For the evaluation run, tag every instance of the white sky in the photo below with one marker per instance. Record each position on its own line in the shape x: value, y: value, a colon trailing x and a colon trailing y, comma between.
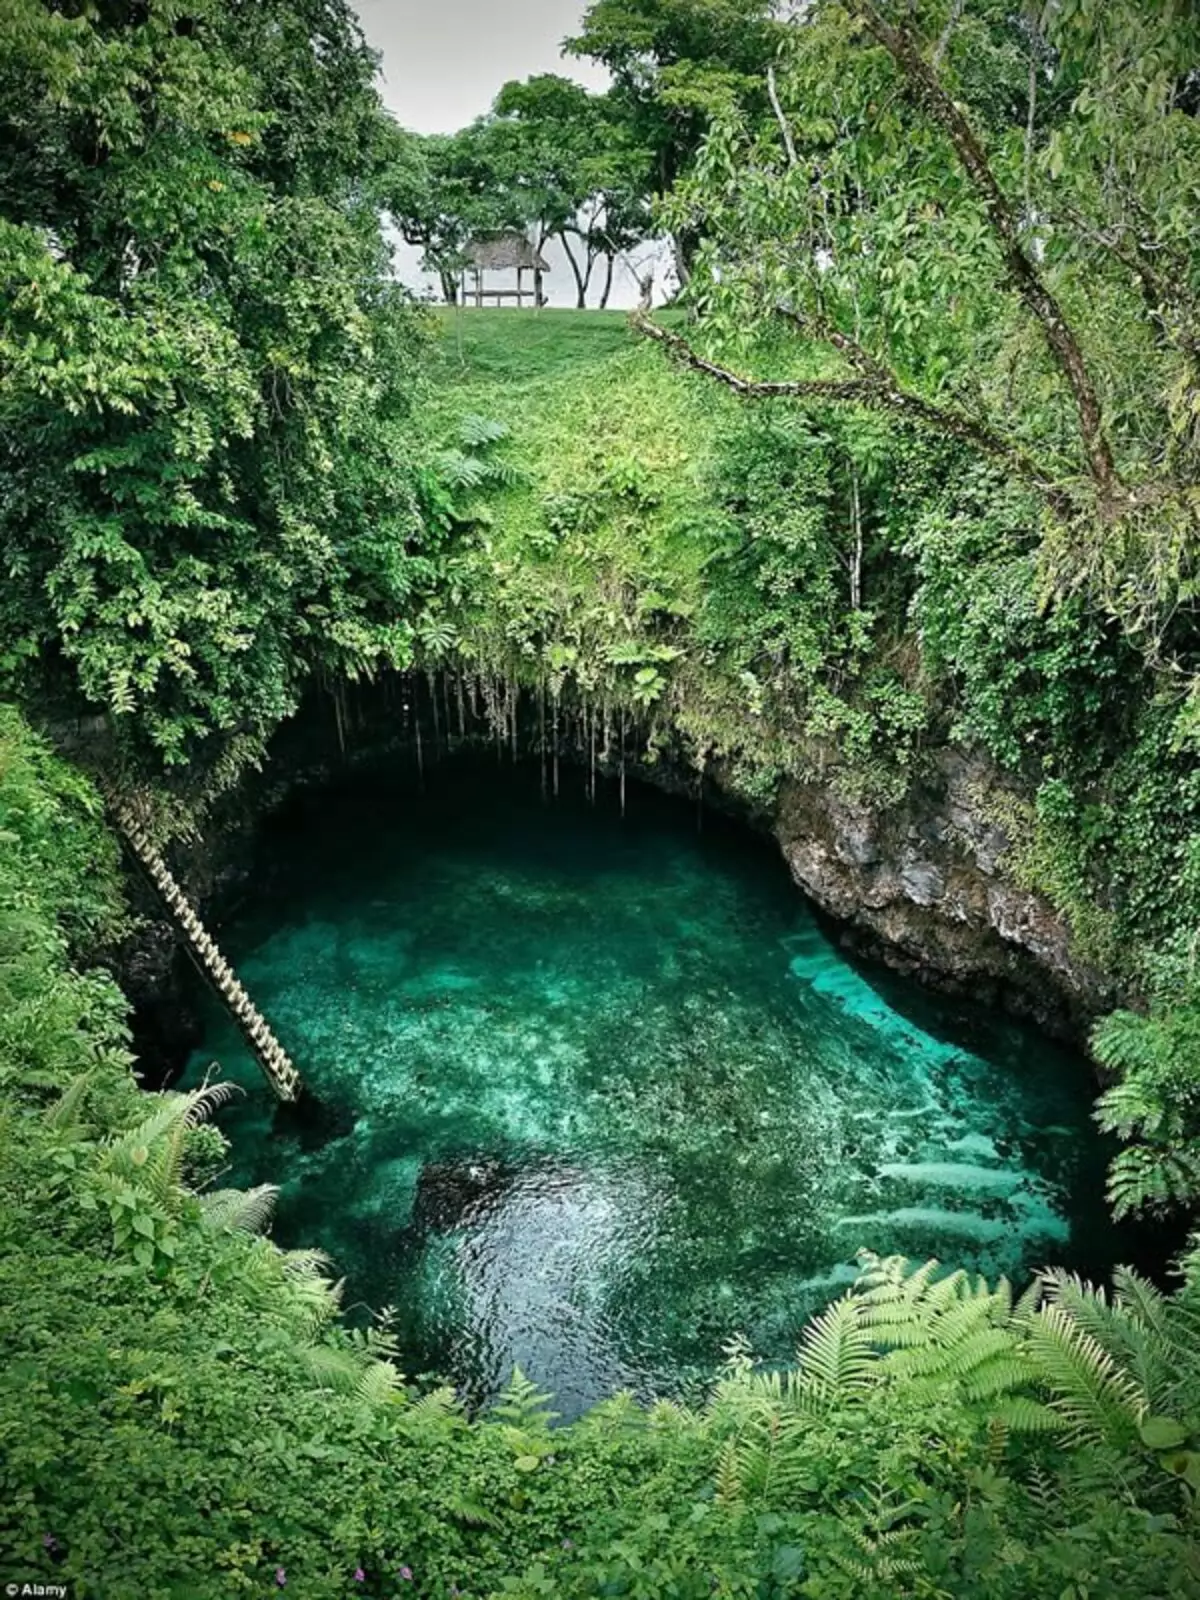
x: 443, y: 62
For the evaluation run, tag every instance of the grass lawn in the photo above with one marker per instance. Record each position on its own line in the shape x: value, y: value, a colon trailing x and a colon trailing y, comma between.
x: 482, y: 346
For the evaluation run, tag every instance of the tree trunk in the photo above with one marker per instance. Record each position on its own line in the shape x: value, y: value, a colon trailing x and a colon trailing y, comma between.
x: 857, y: 559
x: 580, y: 280
x: 608, y: 278
x: 682, y: 271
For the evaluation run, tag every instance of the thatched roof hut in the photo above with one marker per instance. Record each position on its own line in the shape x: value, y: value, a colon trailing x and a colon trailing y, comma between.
x: 503, y: 252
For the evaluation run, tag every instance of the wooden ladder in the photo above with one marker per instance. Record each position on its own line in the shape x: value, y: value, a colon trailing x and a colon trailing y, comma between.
x: 278, y: 1067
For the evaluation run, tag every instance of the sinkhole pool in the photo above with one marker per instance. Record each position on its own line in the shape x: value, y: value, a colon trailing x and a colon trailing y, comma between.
x: 599, y: 1093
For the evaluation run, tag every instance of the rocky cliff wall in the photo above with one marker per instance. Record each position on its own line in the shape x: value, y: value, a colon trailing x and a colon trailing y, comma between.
x: 926, y: 887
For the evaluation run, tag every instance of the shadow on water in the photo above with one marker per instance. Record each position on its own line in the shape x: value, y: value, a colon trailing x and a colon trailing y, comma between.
x: 593, y: 1095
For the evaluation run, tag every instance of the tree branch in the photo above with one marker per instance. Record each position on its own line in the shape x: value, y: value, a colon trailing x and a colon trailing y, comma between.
x: 878, y: 391
x: 814, y: 326
x: 1174, y: 316
x: 784, y: 129
x: 922, y: 82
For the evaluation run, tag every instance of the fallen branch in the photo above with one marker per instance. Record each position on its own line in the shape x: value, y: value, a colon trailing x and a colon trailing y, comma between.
x: 817, y: 327
x: 876, y: 390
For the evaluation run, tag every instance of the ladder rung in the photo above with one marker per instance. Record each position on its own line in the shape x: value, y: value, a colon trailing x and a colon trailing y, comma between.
x: 277, y: 1066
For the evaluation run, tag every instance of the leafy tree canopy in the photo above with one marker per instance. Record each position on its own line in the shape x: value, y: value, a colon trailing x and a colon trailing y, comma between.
x: 551, y: 160
x: 204, y: 370
x: 1025, y: 283
x: 676, y: 61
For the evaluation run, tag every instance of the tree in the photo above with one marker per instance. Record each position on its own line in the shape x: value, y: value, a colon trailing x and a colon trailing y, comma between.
x: 441, y: 190
x: 204, y: 368
x: 1026, y: 284
x: 550, y: 160
x: 676, y: 63
x: 573, y: 170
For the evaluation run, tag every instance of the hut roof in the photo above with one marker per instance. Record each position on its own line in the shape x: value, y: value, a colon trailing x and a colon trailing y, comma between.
x: 503, y: 251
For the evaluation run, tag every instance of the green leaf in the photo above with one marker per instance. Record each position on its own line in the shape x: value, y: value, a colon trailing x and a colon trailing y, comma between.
x: 1162, y: 1433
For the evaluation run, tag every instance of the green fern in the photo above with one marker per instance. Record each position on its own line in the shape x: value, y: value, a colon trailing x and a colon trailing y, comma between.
x: 523, y: 1405
x: 379, y: 1382
x: 1133, y: 1106
x: 1023, y: 1415
x: 1086, y: 1386
x: 473, y: 1512
x: 1154, y: 1178
x: 150, y: 1155
x: 476, y: 432
x: 837, y: 1353
x: 432, y: 1414
x: 65, y: 1113
x: 249, y: 1210
x: 459, y: 471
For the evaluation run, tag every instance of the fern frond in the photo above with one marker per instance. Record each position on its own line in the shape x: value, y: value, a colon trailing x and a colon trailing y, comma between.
x: 1153, y: 1178
x: 472, y: 1512
x: 1028, y: 1303
x: 890, y: 1279
x: 378, y: 1382
x: 330, y: 1367
x: 1002, y: 1375
x: 1132, y: 1107
x: 836, y: 1352
x: 938, y: 1295
x: 896, y: 1335
x: 64, y: 1114
x: 729, y: 1473
x: 952, y: 1362
x: 172, y: 1112
x: 1098, y: 1399
x: 438, y: 1407
x: 1127, y: 1041
x: 1139, y: 1298
x: 1023, y: 1415
x: 475, y: 431
x: 248, y: 1210
x: 305, y: 1263
x: 459, y: 471
x: 523, y: 1405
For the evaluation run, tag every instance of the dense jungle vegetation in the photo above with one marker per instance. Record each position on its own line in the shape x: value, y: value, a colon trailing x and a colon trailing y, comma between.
x: 912, y: 460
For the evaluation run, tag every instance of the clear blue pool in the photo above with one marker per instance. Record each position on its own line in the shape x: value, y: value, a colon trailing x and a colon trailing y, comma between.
x: 601, y: 1093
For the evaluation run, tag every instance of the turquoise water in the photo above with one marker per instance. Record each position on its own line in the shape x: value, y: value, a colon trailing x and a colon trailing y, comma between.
x: 598, y: 1094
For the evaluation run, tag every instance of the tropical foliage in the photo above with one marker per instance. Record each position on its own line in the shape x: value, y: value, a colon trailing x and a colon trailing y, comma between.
x: 921, y: 468
x: 550, y: 161
x: 204, y: 371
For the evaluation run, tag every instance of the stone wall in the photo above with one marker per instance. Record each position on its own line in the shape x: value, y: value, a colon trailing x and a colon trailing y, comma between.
x: 922, y: 885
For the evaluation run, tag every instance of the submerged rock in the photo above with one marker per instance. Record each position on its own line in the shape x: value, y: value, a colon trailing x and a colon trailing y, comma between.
x: 452, y: 1191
